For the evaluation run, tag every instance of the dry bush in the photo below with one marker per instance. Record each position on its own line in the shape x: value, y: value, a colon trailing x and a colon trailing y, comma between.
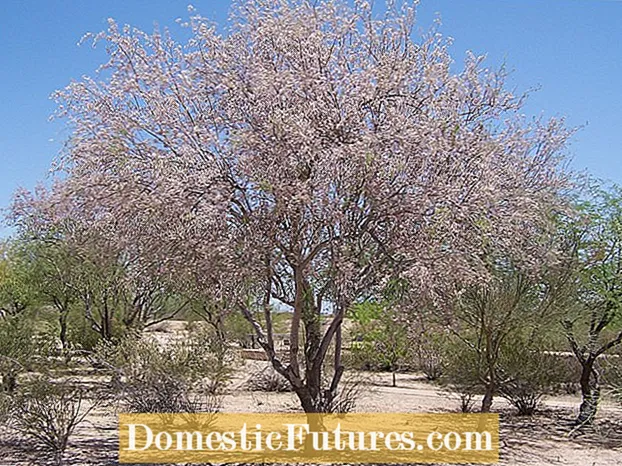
x: 465, y: 400
x: 184, y: 376
x: 48, y: 413
x: 352, y: 387
x: 430, y: 358
x: 268, y: 380
x: 347, y: 396
x: 22, y: 349
x: 464, y: 396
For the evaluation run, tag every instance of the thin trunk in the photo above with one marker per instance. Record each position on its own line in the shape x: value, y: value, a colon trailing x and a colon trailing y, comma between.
x: 590, y: 392
x: 488, y: 396
x: 62, y: 320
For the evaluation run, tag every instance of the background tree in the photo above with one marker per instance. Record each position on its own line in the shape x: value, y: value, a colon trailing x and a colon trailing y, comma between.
x: 17, y: 283
x: 304, y: 158
x: 75, y: 265
x: 499, y: 329
x: 380, y: 338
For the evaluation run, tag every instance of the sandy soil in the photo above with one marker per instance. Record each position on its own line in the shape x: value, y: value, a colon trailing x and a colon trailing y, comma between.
x: 544, y: 439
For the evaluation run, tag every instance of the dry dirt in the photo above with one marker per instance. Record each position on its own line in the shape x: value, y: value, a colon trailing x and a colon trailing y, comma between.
x: 544, y: 439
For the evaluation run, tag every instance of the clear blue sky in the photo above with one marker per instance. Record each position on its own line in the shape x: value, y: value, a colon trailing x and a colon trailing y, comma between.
x: 570, y: 49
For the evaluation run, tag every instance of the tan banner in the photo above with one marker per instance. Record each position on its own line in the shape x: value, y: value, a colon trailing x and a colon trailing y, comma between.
x: 300, y: 438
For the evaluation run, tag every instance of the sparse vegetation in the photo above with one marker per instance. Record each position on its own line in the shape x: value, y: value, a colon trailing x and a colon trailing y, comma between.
x: 268, y: 380
x: 48, y: 412
x: 187, y: 375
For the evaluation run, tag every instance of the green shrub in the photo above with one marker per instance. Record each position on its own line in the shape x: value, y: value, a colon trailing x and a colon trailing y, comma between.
x: 524, y: 372
x: 22, y: 348
x: 528, y: 373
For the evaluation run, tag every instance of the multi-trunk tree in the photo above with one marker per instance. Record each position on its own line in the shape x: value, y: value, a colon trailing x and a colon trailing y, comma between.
x: 500, y: 331
x: 76, y: 266
x: 302, y: 160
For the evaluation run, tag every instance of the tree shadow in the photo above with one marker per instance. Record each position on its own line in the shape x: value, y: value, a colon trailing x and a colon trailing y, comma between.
x: 557, y: 426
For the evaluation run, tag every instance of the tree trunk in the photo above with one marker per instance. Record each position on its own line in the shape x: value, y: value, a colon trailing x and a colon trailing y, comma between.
x: 307, y: 381
x: 590, y: 392
x: 312, y: 407
x: 62, y: 321
x: 488, y: 396
x: 394, y: 382
x: 309, y: 405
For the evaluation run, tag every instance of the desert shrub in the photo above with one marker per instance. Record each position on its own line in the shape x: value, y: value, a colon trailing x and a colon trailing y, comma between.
x: 528, y: 374
x: 268, y: 380
x: 185, y: 375
x: 467, y: 402
x: 347, y: 396
x: 429, y: 356
x: 22, y: 348
x: 48, y: 413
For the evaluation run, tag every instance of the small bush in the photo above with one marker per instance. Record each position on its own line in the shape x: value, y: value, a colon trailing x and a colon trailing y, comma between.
x: 21, y: 349
x: 467, y: 402
x: 348, y: 394
x: 268, y: 380
x: 48, y: 413
x: 528, y: 374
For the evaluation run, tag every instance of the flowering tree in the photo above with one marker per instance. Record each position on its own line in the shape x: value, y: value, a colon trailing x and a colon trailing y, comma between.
x: 303, y: 160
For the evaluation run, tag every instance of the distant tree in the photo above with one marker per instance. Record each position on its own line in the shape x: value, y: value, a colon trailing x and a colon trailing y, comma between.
x: 496, y: 324
x: 383, y: 336
x: 76, y: 265
x: 305, y: 158
x: 17, y: 287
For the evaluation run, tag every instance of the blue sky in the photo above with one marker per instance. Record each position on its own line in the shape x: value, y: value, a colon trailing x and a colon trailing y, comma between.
x: 569, y: 49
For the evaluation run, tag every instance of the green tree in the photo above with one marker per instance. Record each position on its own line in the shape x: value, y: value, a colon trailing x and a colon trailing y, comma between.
x: 380, y: 337
x: 17, y: 287
x: 593, y: 324
x: 493, y: 323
